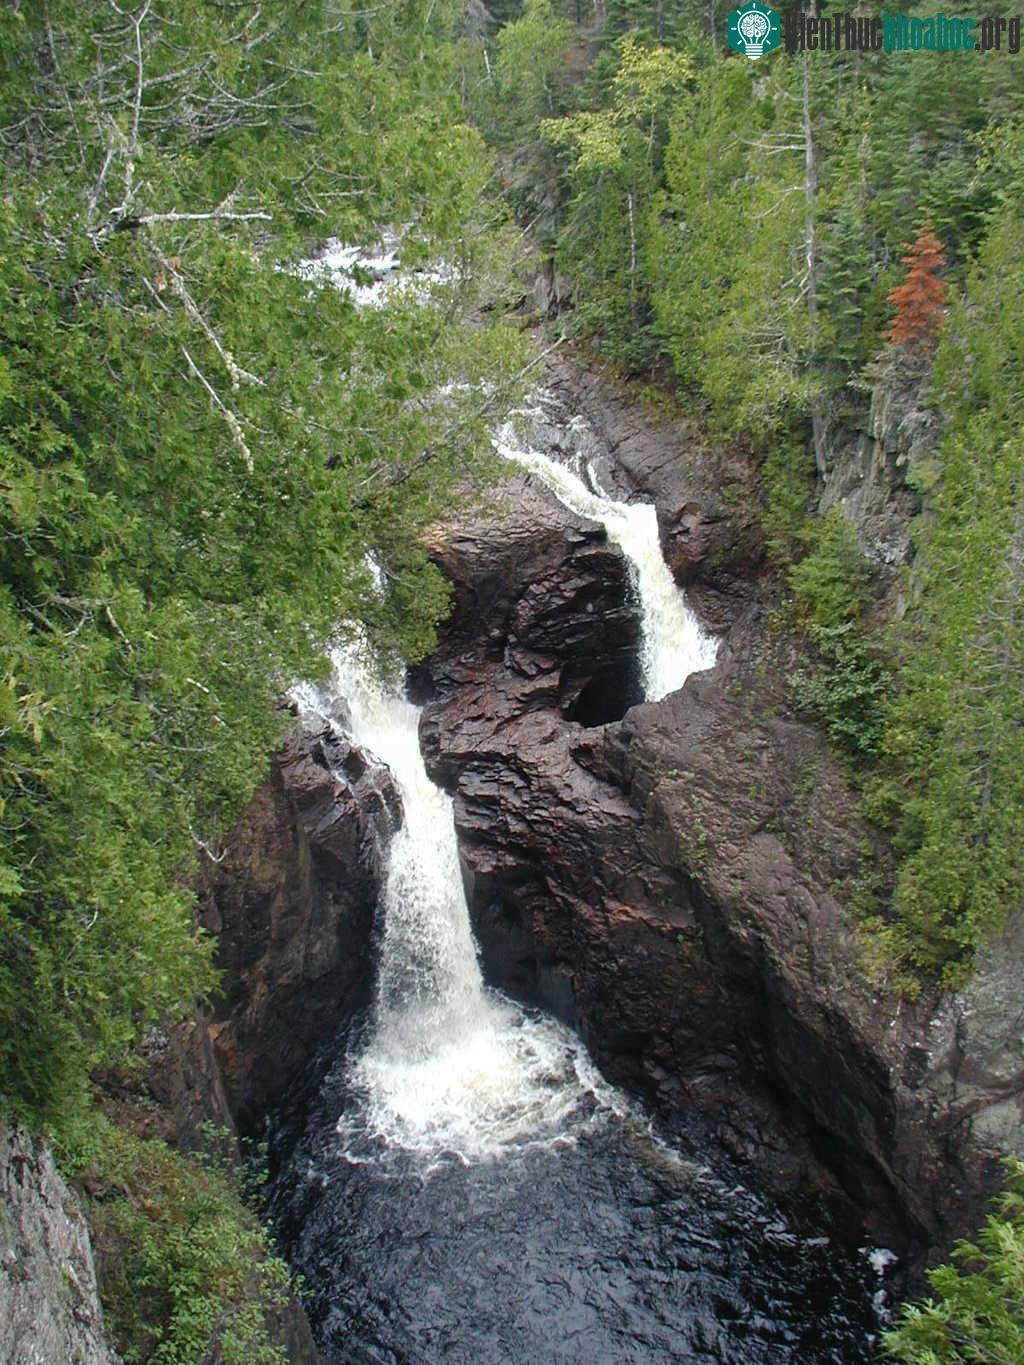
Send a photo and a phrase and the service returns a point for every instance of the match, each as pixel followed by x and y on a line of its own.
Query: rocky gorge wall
pixel 291 902
pixel 673 881
pixel 49 1307
pixel 672 878
pixel 669 878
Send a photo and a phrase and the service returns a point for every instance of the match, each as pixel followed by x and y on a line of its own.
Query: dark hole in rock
pixel 606 696
pixel 420 687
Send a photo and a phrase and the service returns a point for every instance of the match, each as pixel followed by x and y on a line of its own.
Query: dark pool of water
pixel 612 1249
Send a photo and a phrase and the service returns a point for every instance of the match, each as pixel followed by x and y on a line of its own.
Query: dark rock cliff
pixel 292 909
pixel 291 904
pixel 49 1307
pixel 674 882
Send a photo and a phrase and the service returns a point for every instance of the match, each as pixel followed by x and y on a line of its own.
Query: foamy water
pixel 673 643
pixel 448 1065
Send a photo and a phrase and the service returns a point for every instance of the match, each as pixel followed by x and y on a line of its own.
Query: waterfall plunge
pixel 449 1066
pixel 673 645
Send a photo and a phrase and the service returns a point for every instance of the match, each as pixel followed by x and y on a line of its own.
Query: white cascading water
pixel 673 645
pixel 449 1066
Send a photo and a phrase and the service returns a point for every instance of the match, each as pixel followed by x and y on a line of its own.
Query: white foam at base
pixel 448 1066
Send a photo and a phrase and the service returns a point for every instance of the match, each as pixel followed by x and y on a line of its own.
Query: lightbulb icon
pixel 753 29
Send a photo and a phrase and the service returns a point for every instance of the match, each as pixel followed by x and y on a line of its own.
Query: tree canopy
pixel 199 447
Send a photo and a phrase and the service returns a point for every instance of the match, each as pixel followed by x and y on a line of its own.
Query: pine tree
pixel 920 301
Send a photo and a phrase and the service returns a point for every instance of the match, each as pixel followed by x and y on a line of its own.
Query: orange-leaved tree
pixel 920 301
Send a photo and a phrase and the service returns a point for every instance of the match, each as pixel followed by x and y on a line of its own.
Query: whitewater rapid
pixel 449 1067
pixel 673 644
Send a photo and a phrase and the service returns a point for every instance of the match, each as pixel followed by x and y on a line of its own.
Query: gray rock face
pixel 49 1309
pixel 875 471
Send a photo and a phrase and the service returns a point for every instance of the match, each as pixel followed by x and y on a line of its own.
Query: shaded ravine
pixel 465 1186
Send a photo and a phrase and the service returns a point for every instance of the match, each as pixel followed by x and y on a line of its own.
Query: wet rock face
pixel 546 602
pixel 292 907
pixel 49 1308
pixel 707 512
pixel 674 883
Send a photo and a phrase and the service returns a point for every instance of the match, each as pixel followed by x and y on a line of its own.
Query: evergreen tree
pixel 920 301
pixel 955 780
pixel 974 1314
pixel 198 448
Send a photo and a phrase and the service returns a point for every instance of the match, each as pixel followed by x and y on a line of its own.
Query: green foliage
pixel 831 584
pixel 953 784
pixel 750 232
pixel 976 1313
pixel 525 84
pixel 848 295
pixel 198 449
pixel 787 482
pixel 846 683
pixel 726 247
pixel 612 169
pixel 185 1271
pixel 845 690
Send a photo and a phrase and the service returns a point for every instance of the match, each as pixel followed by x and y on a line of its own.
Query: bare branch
pixel 215 216
pixel 237 373
pixel 234 426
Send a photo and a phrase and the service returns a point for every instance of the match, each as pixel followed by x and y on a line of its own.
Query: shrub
pixel 831 584
pixel 186 1272
pixel 846 690
pixel 977 1313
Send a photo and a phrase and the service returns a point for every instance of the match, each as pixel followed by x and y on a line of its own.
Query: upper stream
pixel 673 645
pixel 464 1186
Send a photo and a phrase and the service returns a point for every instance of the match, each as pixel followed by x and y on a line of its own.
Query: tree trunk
pixel 811 258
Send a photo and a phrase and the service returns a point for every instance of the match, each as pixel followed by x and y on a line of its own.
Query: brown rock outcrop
pixel 675 883
pixel 292 907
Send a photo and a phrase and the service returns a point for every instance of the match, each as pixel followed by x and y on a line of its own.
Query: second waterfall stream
pixel 673 645
pixel 449 1067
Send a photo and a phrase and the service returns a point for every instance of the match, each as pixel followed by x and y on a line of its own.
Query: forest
pixel 200 446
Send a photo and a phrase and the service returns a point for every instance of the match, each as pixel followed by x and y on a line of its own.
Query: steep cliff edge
pixel 291 903
pixel 291 900
pixel 292 909
pixel 49 1307
pixel 674 882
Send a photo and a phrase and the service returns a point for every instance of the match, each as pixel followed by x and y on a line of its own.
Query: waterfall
pixel 448 1066
pixel 673 645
